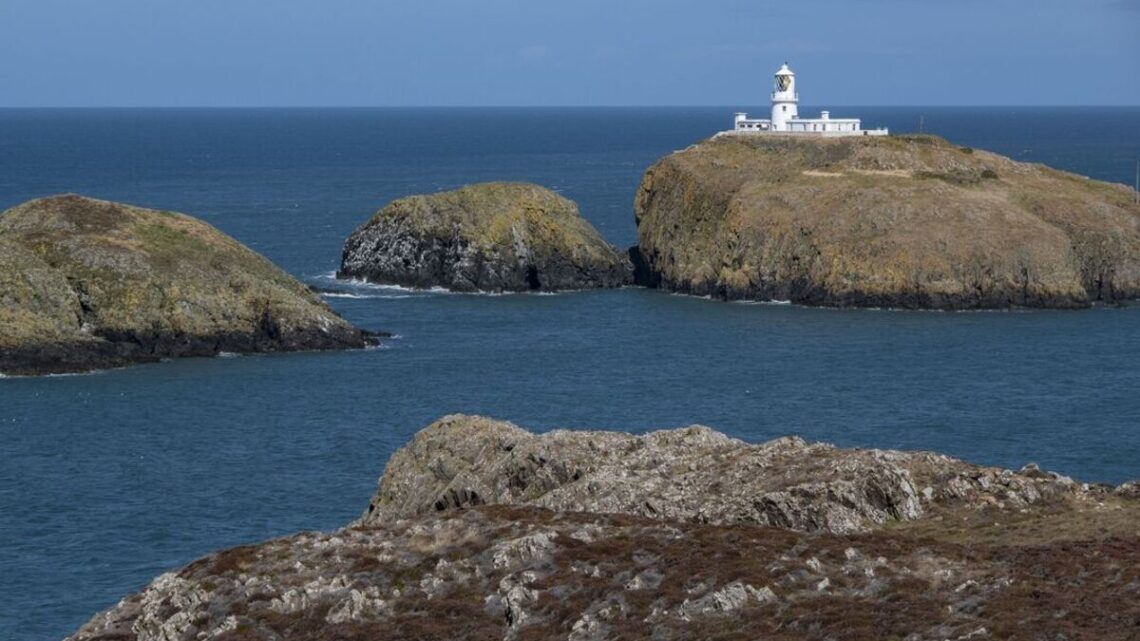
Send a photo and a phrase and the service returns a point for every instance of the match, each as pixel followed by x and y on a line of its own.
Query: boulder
pixel 88 284
pixel 487 237
pixel 894 221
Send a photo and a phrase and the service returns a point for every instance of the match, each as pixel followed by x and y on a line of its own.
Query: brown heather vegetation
pixel 879 585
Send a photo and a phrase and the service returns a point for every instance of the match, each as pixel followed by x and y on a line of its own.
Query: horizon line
pixel 604 106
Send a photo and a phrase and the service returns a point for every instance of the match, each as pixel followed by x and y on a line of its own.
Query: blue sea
pixel 108 479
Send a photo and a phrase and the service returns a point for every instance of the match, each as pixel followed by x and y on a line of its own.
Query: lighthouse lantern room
pixel 786 118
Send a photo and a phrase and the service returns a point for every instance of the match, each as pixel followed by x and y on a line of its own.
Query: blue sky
pixel 585 52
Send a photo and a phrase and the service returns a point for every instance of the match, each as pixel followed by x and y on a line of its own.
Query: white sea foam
pixel 363 289
pixel 228 355
pixel 366 296
pixel 685 295
pixel 761 302
pixel 63 374
pixel 360 284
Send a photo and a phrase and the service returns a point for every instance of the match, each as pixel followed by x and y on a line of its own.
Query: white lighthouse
pixel 786 115
pixel 785 100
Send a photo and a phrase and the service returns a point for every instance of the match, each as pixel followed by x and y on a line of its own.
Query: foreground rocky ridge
pixel 971 553
pixel 691 474
pixel 528 573
pixel 485 237
pixel 898 221
pixel 89 284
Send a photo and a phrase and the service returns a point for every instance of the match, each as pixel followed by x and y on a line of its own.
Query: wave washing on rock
pixel 89 284
pixel 483 530
pixel 494 237
pixel 893 222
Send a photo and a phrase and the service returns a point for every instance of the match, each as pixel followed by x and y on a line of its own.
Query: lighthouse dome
pixel 784 70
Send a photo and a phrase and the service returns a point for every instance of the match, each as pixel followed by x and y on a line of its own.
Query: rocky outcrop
pixel 516 573
pixel 88 284
pixel 898 545
pixel 694 474
pixel 897 221
pixel 486 237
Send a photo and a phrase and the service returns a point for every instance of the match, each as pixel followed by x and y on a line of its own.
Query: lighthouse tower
pixel 786 116
pixel 785 100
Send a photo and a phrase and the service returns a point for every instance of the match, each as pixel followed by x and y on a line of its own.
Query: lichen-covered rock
pixel 88 284
pixel 897 221
pixel 690 474
pixel 441 577
pixel 485 237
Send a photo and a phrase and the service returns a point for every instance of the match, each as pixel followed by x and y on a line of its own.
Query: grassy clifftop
pixel 87 283
pixel 904 221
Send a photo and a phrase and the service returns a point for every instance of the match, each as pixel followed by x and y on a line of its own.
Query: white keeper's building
pixel 786 118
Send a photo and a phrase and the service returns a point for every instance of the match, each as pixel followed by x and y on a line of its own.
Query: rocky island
pixel 482 530
pixel 892 221
pixel 89 284
pixel 487 237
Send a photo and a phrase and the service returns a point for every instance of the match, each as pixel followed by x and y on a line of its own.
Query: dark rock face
pixel 898 221
pixel 487 237
pixel 88 284
pixel 900 545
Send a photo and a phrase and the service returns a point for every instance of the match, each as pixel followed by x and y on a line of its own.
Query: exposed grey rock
pixel 1131 489
pixel 689 474
pixel 733 596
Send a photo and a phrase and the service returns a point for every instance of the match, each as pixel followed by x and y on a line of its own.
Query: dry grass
pixel 899 221
pixel 1069 519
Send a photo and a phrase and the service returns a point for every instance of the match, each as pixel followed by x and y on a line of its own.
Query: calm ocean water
pixel 107 480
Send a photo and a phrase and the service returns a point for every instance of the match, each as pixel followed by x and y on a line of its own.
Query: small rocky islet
pixel 486 237
pixel 89 284
pixel 906 221
pixel 482 530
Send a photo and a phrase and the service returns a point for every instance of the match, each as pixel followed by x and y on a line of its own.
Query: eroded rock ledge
pixel 926 548
pixel 89 284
